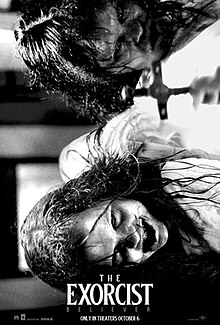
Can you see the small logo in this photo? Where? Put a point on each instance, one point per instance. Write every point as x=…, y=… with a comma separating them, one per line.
x=202, y=318
x=16, y=317
x=23, y=317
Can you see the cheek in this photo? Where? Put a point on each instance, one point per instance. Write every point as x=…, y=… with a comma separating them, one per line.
x=100, y=251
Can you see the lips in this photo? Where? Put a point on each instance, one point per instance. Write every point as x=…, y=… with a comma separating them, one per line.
x=148, y=236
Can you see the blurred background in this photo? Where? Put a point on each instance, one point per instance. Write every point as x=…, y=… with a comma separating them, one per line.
x=33, y=129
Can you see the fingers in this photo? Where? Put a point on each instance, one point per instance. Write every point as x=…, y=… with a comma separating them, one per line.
x=204, y=97
x=198, y=97
x=212, y=98
x=206, y=90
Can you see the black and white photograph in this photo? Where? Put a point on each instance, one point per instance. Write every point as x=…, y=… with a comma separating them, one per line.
x=110, y=161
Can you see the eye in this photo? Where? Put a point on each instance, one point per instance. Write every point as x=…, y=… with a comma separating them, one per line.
x=115, y=220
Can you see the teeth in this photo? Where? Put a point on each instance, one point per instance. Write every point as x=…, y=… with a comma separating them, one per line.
x=140, y=222
x=149, y=237
x=144, y=235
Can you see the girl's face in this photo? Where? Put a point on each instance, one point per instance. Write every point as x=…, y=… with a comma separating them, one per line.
x=119, y=231
x=120, y=35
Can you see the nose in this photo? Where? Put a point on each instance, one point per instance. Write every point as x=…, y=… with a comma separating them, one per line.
x=130, y=251
x=130, y=237
x=129, y=248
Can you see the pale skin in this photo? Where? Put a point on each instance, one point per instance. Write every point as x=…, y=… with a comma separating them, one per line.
x=122, y=231
x=125, y=232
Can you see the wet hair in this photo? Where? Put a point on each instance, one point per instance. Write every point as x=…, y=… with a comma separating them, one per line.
x=53, y=38
x=54, y=250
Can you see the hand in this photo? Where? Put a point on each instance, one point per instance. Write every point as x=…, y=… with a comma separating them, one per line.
x=206, y=90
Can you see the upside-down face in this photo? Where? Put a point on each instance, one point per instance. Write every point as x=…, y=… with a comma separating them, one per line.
x=119, y=232
x=121, y=37
x=88, y=51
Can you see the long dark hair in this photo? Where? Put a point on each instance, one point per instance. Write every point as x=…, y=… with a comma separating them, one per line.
x=52, y=38
x=54, y=251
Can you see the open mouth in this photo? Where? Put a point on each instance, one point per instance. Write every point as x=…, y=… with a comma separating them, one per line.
x=149, y=236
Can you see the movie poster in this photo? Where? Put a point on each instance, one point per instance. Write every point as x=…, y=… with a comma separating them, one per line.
x=170, y=288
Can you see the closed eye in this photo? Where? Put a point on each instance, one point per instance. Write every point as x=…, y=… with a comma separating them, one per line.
x=115, y=220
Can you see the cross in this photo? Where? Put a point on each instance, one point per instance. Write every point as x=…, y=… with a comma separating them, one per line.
x=159, y=91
